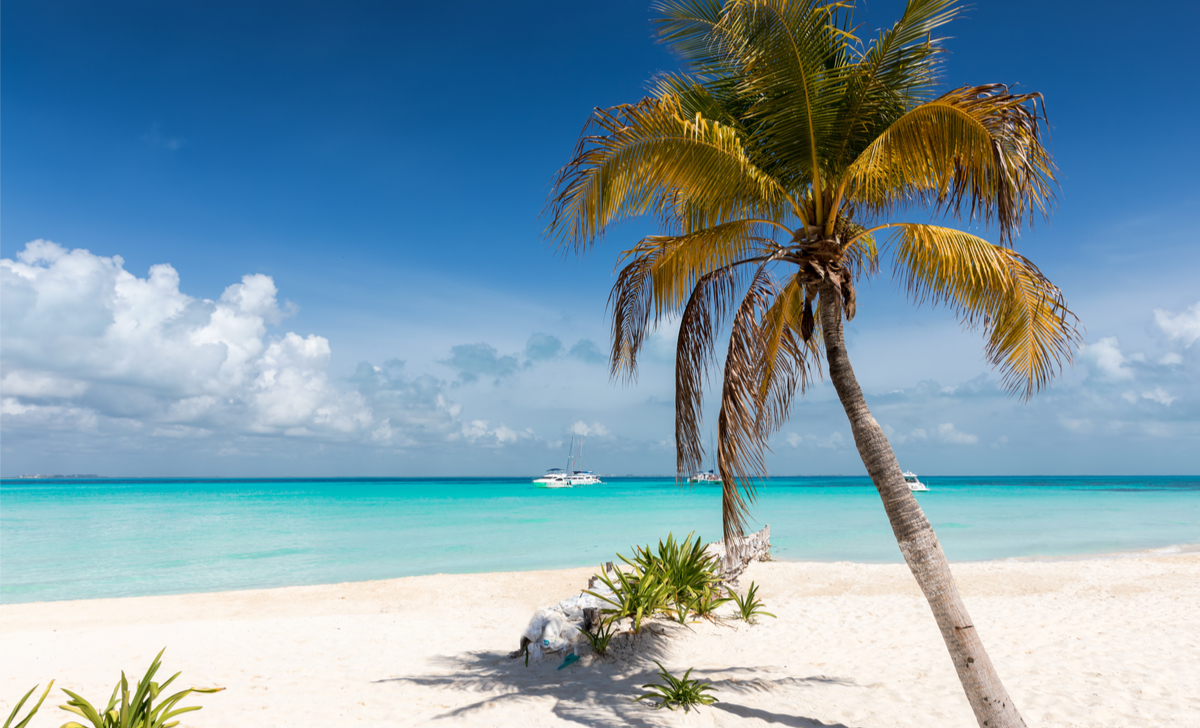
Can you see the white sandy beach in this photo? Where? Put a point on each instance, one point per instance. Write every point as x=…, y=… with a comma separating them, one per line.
x=1100, y=642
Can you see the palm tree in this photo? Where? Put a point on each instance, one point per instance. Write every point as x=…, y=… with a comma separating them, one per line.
x=779, y=168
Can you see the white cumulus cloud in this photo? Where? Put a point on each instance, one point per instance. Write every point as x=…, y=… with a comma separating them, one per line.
x=1184, y=326
x=583, y=428
x=949, y=434
x=86, y=339
x=1106, y=358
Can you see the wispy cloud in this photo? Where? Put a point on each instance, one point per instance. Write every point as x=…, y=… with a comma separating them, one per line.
x=155, y=137
x=472, y=361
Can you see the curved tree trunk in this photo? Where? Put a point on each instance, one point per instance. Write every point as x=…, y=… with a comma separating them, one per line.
x=922, y=551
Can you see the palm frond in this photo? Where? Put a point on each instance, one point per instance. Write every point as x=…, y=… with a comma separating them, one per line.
x=895, y=71
x=791, y=59
x=692, y=29
x=1030, y=331
x=739, y=442
x=636, y=158
x=976, y=147
x=788, y=359
x=711, y=300
x=661, y=273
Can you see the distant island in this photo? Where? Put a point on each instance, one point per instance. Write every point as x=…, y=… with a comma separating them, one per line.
x=46, y=477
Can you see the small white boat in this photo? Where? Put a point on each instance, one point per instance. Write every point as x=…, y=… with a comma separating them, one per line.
x=554, y=478
x=708, y=477
x=914, y=485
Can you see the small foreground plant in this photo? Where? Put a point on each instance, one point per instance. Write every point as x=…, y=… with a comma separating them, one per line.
x=136, y=710
x=750, y=607
x=8, y=723
x=682, y=692
x=705, y=603
x=600, y=638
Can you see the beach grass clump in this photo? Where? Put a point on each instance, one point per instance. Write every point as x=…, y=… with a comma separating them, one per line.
x=677, y=692
x=136, y=710
x=676, y=579
x=707, y=601
x=8, y=723
x=750, y=607
x=600, y=638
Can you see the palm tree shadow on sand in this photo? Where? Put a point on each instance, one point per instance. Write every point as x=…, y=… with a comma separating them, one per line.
x=600, y=691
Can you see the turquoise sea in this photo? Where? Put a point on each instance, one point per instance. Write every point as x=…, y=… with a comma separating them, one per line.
x=83, y=539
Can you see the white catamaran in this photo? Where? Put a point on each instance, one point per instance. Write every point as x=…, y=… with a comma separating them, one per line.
x=712, y=476
x=570, y=477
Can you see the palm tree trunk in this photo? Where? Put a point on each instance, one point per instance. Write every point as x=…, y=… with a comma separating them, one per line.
x=922, y=551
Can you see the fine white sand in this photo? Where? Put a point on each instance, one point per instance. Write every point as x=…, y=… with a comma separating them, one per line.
x=1104, y=642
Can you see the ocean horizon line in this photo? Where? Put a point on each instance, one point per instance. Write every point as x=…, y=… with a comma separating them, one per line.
x=386, y=478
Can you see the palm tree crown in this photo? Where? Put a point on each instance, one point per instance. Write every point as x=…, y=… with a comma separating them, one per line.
x=780, y=167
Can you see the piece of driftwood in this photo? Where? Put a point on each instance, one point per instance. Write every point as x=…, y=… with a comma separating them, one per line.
x=735, y=559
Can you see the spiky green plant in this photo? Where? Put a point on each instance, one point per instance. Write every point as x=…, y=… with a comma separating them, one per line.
x=706, y=603
x=749, y=606
x=673, y=692
x=136, y=710
x=8, y=723
x=600, y=638
x=636, y=594
x=685, y=565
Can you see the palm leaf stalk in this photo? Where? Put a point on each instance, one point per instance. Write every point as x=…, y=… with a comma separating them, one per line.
x=784, y=166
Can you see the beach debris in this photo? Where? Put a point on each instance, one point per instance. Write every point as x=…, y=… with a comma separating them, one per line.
x=557, y=628
x=755, y=547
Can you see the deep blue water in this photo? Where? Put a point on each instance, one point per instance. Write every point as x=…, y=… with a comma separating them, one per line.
x=104, y=538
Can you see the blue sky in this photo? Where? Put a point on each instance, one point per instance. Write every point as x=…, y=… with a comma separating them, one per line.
x=304, y=239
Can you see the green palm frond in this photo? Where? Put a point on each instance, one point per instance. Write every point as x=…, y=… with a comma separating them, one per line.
x=977, y=147
x=637, y=158
x=791, y=59
x=1030, y=331
x=693, y=29
x=895, y=71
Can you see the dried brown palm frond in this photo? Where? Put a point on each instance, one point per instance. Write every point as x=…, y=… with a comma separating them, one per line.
x=740, y=445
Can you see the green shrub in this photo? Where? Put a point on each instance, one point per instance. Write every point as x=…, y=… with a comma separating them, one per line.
x=25, y=721
x=138, y=710
x=672, y=580
x=749, y=606
x=675, y=692
x=686, y=566
x=636, y=594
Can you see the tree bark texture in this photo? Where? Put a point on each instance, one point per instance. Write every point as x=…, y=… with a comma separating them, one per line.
x=922, y=551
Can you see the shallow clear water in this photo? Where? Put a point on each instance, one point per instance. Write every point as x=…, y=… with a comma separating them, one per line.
x=109, y=538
